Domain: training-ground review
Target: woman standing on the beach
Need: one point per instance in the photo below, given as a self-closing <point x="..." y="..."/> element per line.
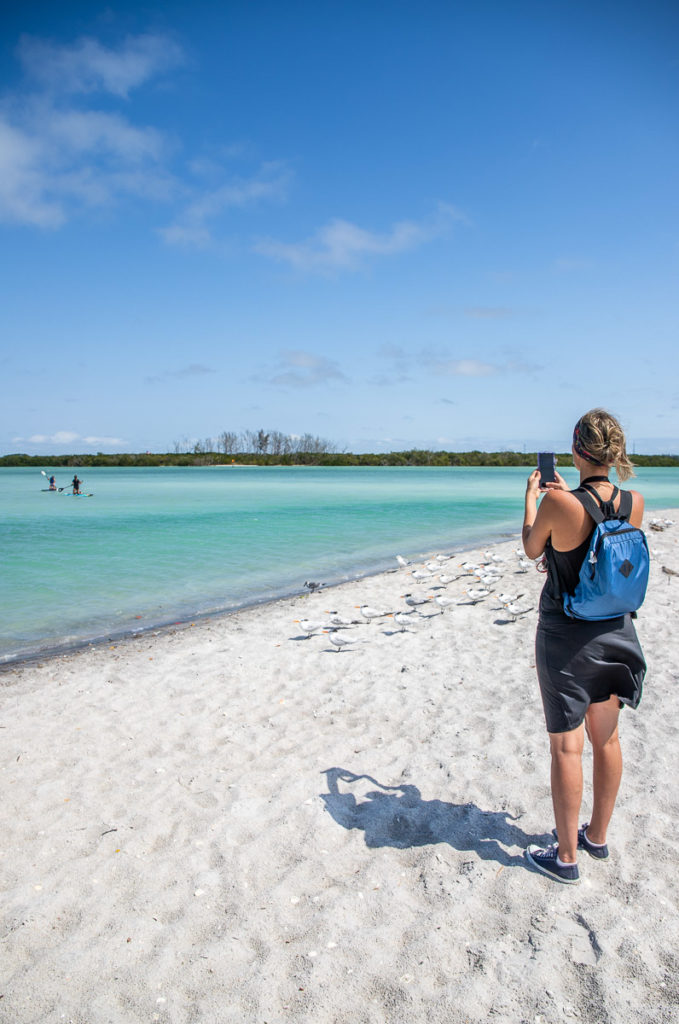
<point x="587" y="670"/>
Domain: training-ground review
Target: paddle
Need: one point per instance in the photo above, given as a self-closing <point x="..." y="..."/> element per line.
<point x="47" y="478"/>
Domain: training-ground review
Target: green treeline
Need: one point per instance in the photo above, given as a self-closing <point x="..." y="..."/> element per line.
<point x="412" y="457"/>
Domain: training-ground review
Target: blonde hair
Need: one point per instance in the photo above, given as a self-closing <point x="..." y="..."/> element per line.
<point x="602" y="437"/>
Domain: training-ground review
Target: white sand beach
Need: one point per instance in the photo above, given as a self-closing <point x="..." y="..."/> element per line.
<point x="236" y="822"/>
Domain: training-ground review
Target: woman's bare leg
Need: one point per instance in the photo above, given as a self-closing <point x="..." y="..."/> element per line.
<point x="566" y="750"/>
<point x="602" y="728"/>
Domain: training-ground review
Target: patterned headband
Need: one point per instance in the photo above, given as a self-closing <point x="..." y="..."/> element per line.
<point x="577" y="444"/>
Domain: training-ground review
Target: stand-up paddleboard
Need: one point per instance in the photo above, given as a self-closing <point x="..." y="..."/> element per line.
<point x="83" y="495"/>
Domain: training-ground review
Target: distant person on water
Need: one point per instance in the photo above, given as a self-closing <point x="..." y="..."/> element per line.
<point x="588" y="669"/>
<point x="53" y="484"/>
<point x="76" y="484"/>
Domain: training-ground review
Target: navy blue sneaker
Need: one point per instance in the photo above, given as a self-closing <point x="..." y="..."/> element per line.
<point x="546" y="862"/>
<point x="598" y="852"/>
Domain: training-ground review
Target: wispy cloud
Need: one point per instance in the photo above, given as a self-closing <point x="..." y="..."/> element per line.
<point x="56" y="156"/>
<point x="184" y="373"/>
<point x="69" y="437"/>
<point x="193" y="226"/>
<point x="297" y="368"/>
<point x="342" y="245"/>
<point x="402" y="364"/>
<point x="64" y="148"/>
<point x="464" y="368"/>
<point x="86" y="66"/>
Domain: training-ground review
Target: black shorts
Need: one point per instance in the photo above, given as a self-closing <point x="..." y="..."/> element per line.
<point x="581" y="663"/>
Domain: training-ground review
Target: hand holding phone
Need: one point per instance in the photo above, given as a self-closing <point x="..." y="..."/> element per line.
<point x="547" y="467"/>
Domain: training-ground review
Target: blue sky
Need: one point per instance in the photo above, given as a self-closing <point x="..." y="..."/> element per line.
<point x="390" y="224"/>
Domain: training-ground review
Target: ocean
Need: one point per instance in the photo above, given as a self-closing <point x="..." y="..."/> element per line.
<point x="157" y="546"/>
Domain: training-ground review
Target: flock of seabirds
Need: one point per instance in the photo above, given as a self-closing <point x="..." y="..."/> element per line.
<point x="481" y="579"/>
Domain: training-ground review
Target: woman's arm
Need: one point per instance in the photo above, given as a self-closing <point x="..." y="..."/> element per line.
<point x="537" y="521"/>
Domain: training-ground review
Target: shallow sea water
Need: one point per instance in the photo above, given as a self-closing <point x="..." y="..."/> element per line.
<point x="154" y="546"/>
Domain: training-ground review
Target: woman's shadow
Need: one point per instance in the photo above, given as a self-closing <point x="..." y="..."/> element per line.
<point x="398" y="816"/>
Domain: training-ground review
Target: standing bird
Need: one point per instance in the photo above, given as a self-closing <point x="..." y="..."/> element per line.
<point x="339" y="622"/>
<point x="406" y="619"/>
<point x="403" y="562"/>
<point x="444" y="602"/>
<point x="341" y="642"/>
<point x="420" y="575"/>
<point x="372" y="613"/>
<point x="515" y="611"/>
<point x="310" y="627"/>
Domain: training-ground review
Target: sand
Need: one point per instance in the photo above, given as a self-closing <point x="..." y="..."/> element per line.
<point x="234" y="822"/>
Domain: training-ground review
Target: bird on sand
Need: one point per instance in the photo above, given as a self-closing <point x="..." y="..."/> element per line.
<point x="342" y="642"/>
<point x="515" y="611"/>
<point x="372" y="613"/>
<point x="339" y="622"/>
<point x="309" y="626"/>
<point x="403" y="562"/>
<point x="444" y="602"/>
<point x="478" y="594"/>
<point x="508" y="598"/>
<point x="470" y="567"/>
<point x="415" y="602"/>
<point x="311" y="586"/>
<point x="488" y="579"/>
<point x="669" y="572"/>
<point x="420" y="575"/>
<point x="406" y="619"/>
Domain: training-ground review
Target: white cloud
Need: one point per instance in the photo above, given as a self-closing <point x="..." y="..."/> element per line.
<point x="86" y="66"/>
<point x="55" y="156"/>
<point x="60" y="437"/>
<point x="69" y="437"/>
<point x="466" y="368"/>
<point x="23" y="193"/>
<point x="300" y="369"/>
<point x="469" y="367"/>
<point x="341" y="245"/>
<point x="105" y="441"/>
<point x="62" y="152"/>
<point x="111" y="135"/>
<point x="192" y="227"/>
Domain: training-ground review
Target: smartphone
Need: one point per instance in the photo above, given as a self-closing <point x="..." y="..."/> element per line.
<point x="546" y="465"/>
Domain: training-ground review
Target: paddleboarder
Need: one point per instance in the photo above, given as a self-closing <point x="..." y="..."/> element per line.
<point x="53" y="484"/>
<point x="76" y="484"/>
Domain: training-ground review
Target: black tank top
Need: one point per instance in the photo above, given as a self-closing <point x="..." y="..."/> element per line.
<point x="563" y="568"/>
<point x="563" y="572"/>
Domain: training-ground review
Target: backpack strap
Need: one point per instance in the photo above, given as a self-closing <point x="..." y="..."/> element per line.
<point x="600" y="510"/>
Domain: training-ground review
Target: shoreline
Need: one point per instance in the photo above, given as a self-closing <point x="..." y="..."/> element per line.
<point x="237" y="821"/>
<point x="184" y="619"/>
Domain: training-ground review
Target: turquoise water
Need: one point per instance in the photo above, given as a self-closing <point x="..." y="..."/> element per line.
<point x="159" y="545"/>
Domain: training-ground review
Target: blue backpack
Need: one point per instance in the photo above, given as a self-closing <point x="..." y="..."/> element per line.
<point x="614" y="574"/>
